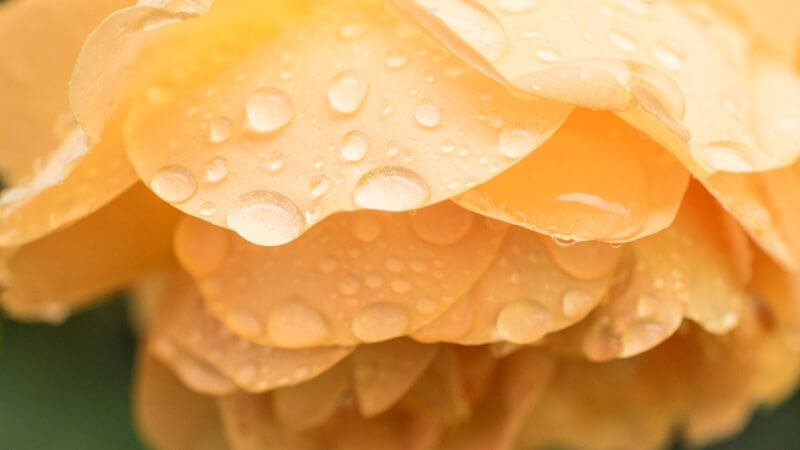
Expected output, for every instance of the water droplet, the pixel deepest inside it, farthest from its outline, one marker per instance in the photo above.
(320, 185)
(174, 184)
(216, 170)
(548, 52)
(394, 265)
(268, 110)
(667, 55)
(328, 264)
(576, 303)
(275, 161)
(266, 218)
(516, 6)
(523, 321)
(516, 142)
(353, 30)
(427, 114)
(391, 189)
(365, 228)
(396, 59)
(207, 209)
(347, 91)
(379, 322)
(354, 146)
(296, 324)
(727, 156)
(444, 223)
(400, 286)
(426, 305)
(219, 130)
(476, 25)
(373, 281)
(622, 40)
(349, 285)
(447, 147)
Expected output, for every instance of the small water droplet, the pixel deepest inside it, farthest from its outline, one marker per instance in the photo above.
(216, 170)
(354, 146)
(622, 40)
(548, 52)
(727, 156)
(174, 184)
(391, 189)
(353, 30)
(296, 324)
(516, 142)
(426, 305)
(349, 285)
(447, 147)
(366, 228)
(379, 322)
(320, 185)
(347, 91)
(516, 6)
(396, 59)
(219, 130)
(400, 286)
(275, 161)
(667, 55)
(266, 218)
(328, 264)
(427, 114)
(268, 110)
(207, 209)
(576, 303)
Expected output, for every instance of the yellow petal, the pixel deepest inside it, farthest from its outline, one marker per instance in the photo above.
(72, 267)
(597, 178)
(72, 181)
(661, 65)
(39, 41)
(172, 417)
(311, 403)
(384, 372)
(256, 368)
(357, 277)
(250, 426)
(533, 286)
(338, 112)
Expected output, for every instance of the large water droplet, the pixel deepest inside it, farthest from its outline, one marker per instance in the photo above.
(268, 110)
(266, 218)
(354, 146)
(219, 130)
(379, 322)
(216, 170)
(173, 184)
(391, 189)
(516, 142)
(295, 324)
(427, 114)
(523, 321)
(347, 91)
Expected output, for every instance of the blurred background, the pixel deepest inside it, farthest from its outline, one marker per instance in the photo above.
(68, 387)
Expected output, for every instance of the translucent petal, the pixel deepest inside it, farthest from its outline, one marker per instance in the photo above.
(384, 372)
(169, 415)
(534, 286)
(193, 372)
(564, 188)
(357, 277)
(311, 403)
(439, 393)
(72, 267)
(343, 110)
(663, 66)
(255, 368)
(74, 180)
(250, 426)
(39, 41)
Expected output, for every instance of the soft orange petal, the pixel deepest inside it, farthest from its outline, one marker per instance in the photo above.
(250, 426)
(311, 403)
(534, 286)
(341, 111)
(39, 41)
(384, 372)
(73, 267)
(662, 65)
(597, 178)
(358, 277)
(439, 394)
(253, 367)
(170, 416)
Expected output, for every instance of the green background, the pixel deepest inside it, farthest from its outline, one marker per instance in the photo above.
(68, 388)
